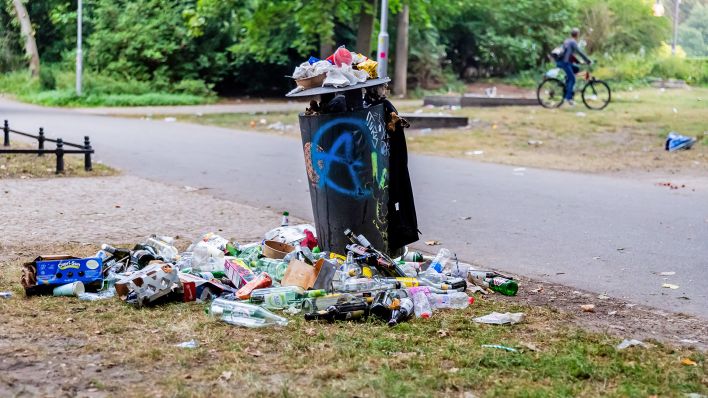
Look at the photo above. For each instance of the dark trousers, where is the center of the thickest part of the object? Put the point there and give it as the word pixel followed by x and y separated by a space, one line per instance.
pixel 570 71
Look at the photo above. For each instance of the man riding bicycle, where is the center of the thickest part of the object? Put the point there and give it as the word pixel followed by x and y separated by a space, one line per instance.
pixel 567 60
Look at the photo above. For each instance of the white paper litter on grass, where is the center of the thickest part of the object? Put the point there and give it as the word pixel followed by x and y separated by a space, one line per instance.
pixel 497 318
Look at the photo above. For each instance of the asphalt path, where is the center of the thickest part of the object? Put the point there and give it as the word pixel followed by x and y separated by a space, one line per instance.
pixel 605 234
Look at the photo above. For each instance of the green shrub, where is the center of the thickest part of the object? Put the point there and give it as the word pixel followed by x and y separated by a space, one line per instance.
pixel 46 79
pixel 193 87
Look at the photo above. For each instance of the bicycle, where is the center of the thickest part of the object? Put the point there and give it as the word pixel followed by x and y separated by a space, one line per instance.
pixel 595 93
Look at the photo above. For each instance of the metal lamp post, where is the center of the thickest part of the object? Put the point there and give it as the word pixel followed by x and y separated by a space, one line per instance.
pixel 79 53
pixel 659 12
pixel 382 50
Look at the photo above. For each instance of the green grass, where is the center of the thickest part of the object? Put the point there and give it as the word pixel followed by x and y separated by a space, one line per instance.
pixel 441 356
pixel 56 87
pixel 33 166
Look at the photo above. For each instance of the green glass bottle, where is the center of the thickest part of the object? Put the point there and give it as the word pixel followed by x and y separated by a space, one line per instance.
pixel 240 313
pixel 274 267
pixel 507 287
pixel 282 297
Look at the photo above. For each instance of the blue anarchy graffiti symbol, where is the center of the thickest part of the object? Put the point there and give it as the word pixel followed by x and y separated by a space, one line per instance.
pixel 344 154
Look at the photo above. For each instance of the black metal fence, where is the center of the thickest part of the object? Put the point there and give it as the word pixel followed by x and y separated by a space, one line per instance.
pixel 59 151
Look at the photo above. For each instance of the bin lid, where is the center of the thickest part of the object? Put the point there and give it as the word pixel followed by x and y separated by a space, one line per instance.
pixel 327 90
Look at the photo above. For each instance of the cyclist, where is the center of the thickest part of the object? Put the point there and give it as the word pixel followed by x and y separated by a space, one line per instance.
pixel 567 62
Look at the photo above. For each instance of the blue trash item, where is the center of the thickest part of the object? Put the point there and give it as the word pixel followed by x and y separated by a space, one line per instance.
pixel 313 60
pixel 675 142
pixel 61 270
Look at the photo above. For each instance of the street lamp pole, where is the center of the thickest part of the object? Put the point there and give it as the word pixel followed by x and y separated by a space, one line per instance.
pixel 676 21
pixel 382 50
pixel 79 53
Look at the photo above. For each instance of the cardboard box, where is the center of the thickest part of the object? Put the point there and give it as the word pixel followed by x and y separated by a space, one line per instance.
pixel 204 290
pixel 46 272
pixel 300 273
pixel 237 272
pixel 151 283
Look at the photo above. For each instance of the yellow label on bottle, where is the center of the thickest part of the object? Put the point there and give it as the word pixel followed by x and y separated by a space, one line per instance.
pixel 340 259
pixel 409 282
pixel 366 272
pixel 444 286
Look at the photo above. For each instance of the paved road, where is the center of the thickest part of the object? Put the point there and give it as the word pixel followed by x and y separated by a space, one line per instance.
pixel 604 234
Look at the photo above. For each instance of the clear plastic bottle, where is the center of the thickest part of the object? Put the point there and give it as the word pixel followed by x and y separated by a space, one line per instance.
pixel 457 300
pixel 441 260
pixel 408 268
pixel 207 258
pixel 421 305
pixel 163 247
pixel 243 314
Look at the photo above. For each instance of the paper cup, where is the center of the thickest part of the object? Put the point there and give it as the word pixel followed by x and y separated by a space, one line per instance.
pixel 71 289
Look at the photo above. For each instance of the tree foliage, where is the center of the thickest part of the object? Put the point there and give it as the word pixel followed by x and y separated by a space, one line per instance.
pixel 242 46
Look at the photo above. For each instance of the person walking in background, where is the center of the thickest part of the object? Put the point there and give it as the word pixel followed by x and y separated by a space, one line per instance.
pixel 567 62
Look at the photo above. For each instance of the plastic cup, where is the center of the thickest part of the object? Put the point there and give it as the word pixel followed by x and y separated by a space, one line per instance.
pixel 71 289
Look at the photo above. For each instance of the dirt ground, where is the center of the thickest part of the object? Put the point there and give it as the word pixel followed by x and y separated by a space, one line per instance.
pixel 77 214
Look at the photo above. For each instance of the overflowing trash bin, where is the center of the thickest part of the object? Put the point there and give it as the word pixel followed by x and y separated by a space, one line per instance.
pixel 352 265
pixel 356 161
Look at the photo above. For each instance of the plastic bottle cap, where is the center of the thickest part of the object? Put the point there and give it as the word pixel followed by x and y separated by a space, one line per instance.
pixel 425 315
pixel 471 300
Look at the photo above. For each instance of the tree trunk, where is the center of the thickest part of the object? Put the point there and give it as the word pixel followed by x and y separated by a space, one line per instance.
pixel 401 73
pixel 366 27
pixel 28 34
pixel 326 48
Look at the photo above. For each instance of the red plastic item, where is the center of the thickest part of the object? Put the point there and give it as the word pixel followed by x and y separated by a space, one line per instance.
pixel 310 241
pixel 261 281
pixel 341 56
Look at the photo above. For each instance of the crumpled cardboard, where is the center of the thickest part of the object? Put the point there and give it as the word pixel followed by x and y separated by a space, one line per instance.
pixel 151 283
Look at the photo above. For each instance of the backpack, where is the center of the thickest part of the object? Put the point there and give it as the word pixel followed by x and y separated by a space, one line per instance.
pixel 557 53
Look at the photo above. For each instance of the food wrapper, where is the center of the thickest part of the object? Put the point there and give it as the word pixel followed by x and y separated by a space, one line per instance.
pixel 358 58
pixel 370 67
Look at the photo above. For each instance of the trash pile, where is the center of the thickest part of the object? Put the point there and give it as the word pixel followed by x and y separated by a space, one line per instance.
pixel 341 69
pixel 245 284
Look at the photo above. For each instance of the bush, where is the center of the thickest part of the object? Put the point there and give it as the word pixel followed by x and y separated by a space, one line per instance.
pixel 46 79
pixel 193 87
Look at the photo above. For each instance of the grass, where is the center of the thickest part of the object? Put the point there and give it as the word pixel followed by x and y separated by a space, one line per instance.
pixel 33 166
pixel 56 87
pixel 437 357
pixel 627 136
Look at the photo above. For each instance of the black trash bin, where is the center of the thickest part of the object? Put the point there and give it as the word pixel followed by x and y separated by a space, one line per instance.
pixel 348 161
pixel 346 157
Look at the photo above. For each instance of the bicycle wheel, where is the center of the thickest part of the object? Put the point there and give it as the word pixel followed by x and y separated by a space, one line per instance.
pixel 596 95
pixel 550 93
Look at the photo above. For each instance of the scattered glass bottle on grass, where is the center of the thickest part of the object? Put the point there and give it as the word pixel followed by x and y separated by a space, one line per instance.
pixel 282 297
pixel 495 282
pixel 243 314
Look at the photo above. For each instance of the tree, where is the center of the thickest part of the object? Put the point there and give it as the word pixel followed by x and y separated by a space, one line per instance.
pixel 28 34
pixel 366 27
pixel 401 72
pixel 693 33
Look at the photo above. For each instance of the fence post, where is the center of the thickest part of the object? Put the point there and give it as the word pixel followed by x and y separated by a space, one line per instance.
pixel 40 140
pixel 60 156
pixel 6 129
pixel 87 155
